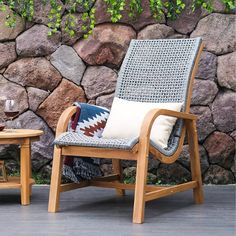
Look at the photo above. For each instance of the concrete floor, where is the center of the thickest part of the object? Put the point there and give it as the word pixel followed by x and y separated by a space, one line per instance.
pixel 99 212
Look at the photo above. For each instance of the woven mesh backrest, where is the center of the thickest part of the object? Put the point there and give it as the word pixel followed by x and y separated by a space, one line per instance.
pixel 157 70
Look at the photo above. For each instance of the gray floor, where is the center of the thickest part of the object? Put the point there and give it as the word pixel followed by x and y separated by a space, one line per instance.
pixel 95 211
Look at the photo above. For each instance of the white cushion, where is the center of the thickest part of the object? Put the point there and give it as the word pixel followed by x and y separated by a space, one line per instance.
pixel 126 119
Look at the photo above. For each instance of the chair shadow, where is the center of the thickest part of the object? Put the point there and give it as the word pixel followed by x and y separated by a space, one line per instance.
pixel 117 206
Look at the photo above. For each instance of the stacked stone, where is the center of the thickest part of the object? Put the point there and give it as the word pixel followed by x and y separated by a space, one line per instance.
pixel 47 74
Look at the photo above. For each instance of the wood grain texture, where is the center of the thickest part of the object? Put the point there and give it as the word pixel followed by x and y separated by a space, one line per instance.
pixel 117 170
pixel 24 172
pixel 54 195
pixel 19 133
pixel 23 137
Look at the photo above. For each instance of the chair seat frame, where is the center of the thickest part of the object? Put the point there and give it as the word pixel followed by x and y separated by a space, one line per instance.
pixel 139 153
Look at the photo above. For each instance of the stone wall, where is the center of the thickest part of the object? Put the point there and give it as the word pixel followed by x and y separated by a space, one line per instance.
pixel 47 74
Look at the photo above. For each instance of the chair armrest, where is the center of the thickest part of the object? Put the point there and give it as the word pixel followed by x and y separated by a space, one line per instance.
pixel 64 120
pixel 151 117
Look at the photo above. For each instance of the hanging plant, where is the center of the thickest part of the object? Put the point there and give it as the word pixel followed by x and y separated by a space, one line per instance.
pixel 135 7
pixel 174 8
pixel 88 16
pixel 159 8
pixel 205 4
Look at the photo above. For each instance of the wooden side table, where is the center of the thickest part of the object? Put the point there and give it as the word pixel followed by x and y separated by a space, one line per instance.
pixel 23 137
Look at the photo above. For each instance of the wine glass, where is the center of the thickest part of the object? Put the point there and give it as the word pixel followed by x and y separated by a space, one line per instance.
pixel 11 109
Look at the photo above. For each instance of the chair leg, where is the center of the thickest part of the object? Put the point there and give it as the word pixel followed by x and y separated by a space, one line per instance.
pixel 195 162
pixel 116 167
pixel 54 195
pixel 141 178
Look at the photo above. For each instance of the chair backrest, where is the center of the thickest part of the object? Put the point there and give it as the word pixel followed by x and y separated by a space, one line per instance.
pixel 158 70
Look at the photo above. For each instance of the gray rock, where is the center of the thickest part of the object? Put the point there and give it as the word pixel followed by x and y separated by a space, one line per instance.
pixel 226 73
pixel 218 175
pixel 187 20
pixel 36 97
pixel 8 33
pixel 29 24
pixel 129 175
pixel 217 31
pixel 42 11
pixel 155 31
pixel 153 164
pixel 105 100
pixel 128 163
pixel 41 151
pixel 46 172
pixel 151 178
pixel 36 42
pixel 223 110
pixel 106 169
pixel 8 54
pixel 218 7
pixel 2 70
pixel 178 36
pixel 172 174
pixel 205 124
pixel 207 66
pixel 233 169
pixel 184 158
pixel 204 92
pixel 33 72
pixel 221 149
pixel 68 63
pixel 10 90
pixel 105 161
pixel 9 152
pixel 129 172
pixel 98 80
pixel 233 135
pixel 12 166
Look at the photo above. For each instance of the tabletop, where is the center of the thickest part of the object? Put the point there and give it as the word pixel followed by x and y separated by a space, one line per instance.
pixel 19 133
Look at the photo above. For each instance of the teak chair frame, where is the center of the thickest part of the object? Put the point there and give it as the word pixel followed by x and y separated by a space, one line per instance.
pixel 140 153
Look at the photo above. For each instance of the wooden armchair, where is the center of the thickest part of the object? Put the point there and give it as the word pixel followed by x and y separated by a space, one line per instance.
pixel 166 68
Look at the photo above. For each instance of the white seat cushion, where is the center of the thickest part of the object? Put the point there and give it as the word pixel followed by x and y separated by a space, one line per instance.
pixel 126 119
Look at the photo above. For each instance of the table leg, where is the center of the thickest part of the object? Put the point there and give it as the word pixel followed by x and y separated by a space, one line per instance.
pixel 30 169
pixel 24 171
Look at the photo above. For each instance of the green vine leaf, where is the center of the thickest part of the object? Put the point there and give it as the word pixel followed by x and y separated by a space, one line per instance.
pixel 114 8
pixel 174 8
pixel 159 8
pixel 205 4
pixel 135 7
